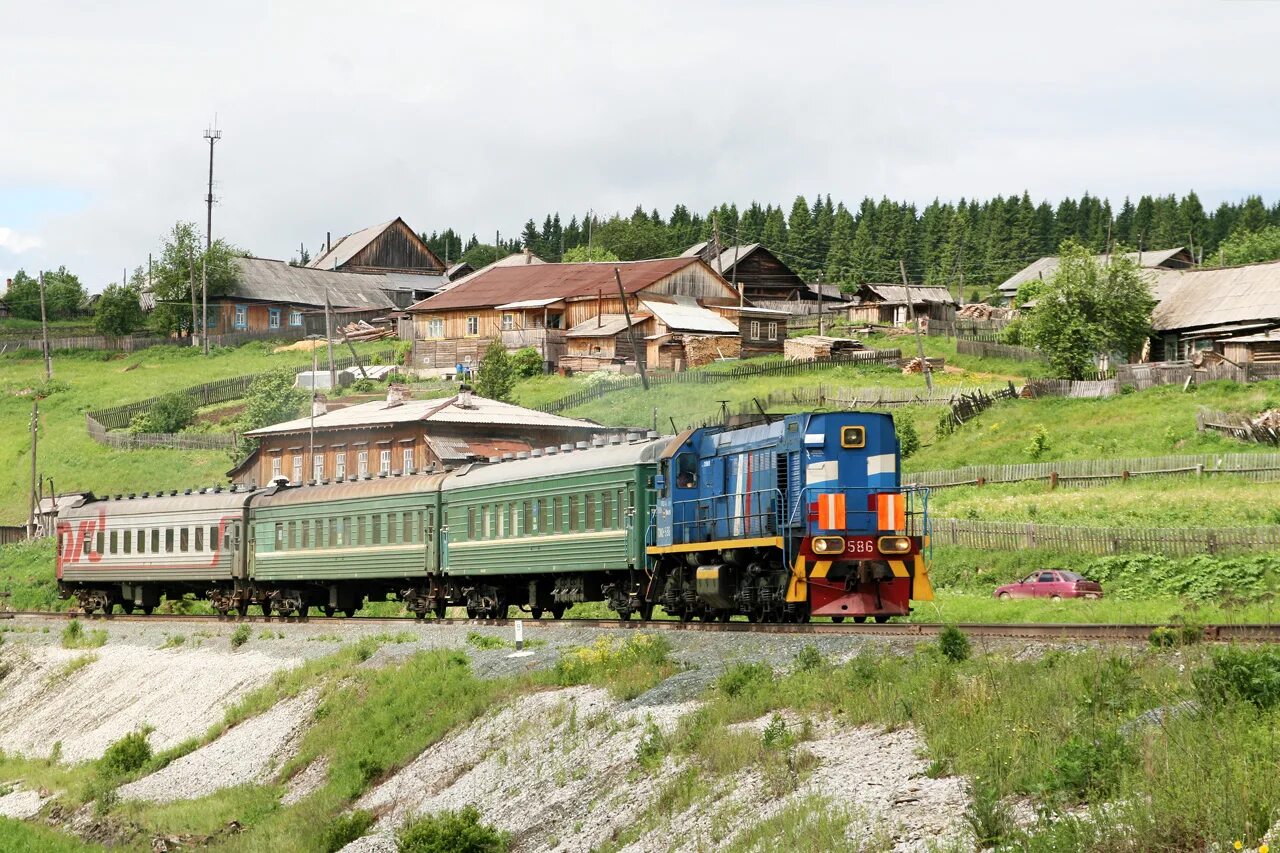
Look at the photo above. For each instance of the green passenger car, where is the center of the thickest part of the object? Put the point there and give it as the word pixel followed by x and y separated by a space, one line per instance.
pixel 549 531
pixel 329 546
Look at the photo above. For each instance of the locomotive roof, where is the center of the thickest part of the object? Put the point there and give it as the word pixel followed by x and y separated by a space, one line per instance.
pixel 575 462
pixel 371 488
pixel 197 501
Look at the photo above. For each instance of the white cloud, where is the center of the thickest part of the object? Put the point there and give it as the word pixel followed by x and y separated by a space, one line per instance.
pixel 480 116
pixel 16 243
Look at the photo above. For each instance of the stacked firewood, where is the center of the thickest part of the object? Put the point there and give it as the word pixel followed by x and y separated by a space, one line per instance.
pixel 810 347
pixel 982 311
pixel 362 331
pixel 916 365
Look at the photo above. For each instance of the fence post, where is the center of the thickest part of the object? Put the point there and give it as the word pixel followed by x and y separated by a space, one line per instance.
pixel 1200 469
pixel 1053 480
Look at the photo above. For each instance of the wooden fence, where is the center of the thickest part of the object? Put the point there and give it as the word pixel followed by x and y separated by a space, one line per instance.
pixel 132 343
pixel 100 422
pixel 1264 467
pixel 1101 541
pixel 10 535
pixel 1143 376
pixel 969 328
pixel 873 397
pixel 713 375
pixel 986 349
pixel 1236 425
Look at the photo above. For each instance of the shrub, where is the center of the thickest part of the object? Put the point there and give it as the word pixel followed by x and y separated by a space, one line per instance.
pixel 171 413
pixel 988 818
pixel 652 746
pixel 775 734
pixel 526 362
pixel 808 658
pixel 1169 636
pixel 126 755
pixel 344 829
pixel 1090 765
pixel 1039 442
pixel 744 678
pixel 485 641
pixel 953 644
pixel 496 377
pixel 240 636
pixel 271 398
pixel 908 438
pixel 1238 673
pixel 75 637
pixel 451 832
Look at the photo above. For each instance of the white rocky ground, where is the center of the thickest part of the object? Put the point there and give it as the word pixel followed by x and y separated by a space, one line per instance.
pixel 21 804
pixel 46 699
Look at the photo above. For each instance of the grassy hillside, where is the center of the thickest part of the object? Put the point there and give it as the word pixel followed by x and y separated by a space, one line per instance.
pixel 89 380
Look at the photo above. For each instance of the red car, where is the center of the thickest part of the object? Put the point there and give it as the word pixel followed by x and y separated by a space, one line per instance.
pixel 1053 584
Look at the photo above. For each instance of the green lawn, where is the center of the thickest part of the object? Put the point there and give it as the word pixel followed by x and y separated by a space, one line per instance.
pixel 90 380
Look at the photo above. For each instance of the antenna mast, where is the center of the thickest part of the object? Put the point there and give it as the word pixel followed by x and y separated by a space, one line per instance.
pixel 213 135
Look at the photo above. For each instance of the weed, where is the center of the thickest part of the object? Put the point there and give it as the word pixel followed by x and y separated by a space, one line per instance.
pixel 1039 442
pixel 1169 636
pixel 1251 675
pixel 74 665
pixel 775 735
pixel 451 832
pixel 953 644
pixel 652 747
pixel 126 755
pixel 240 636
pixel 987 817
pixel 1089 765
pixel 627 668
pixel 808 658
pixel 744 678
pixel 173 641
pixel 74 636
pixel 486 641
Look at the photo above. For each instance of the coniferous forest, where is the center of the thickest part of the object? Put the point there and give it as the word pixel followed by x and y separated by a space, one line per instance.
pixel 971 243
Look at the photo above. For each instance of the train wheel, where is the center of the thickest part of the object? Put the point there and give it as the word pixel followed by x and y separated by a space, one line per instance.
pixel 624 615
pixel 329 611
pixel 687 615
pixel 725 615
pixel 837 619
pixel 266 609
pixel 441 609
pixel 350 612
pixel 420 615
pixel 243 610
pixel 646 611
pixel 147 608
pixel 127 607
pixel 859 619
pixel 472 612
pixel 882 618
pixel 557 611
pixel 535 612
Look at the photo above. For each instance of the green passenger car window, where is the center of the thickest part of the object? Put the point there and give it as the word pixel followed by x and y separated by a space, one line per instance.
pixel 431 524
pixel 375 535
pixel 291 540
pixel 606 510
pixel 590 501
pixel 556 525
pixel 527 511
pixel 391 528
pixel 573 513
pixel 471 523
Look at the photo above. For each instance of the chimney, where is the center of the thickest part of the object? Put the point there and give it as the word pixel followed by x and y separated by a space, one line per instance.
pixel 528 255
pixel 328 242
pixel 464 397
pixel 395 395
pixel 319 406
pixel 8 285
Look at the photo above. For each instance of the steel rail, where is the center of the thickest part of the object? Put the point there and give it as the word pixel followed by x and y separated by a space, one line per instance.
pixel 1260 632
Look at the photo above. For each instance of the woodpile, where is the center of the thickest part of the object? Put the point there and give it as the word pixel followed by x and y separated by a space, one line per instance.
pixel 1269 419
pixel 705 350
pixel 811 347
pixel 916 365
pixel 362 331
pixel 982 311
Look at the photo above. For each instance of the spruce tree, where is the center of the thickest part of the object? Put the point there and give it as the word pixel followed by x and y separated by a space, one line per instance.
pixel 774 233
pixel 840 267
pixel 802 245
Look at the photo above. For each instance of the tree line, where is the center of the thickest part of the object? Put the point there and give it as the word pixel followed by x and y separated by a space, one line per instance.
pixel 970 242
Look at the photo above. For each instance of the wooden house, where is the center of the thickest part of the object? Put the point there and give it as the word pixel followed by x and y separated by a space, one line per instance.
pixel 392 249
pixel 396 436
pixel 1177 258
pixel 1206 309
pixel 545 306
pixel 760 273
pixel 886 304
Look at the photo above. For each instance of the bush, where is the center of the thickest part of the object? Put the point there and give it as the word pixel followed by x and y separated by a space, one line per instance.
pixel 451 832
pixel 271 398
pixel 652 747
pixel 744 678
pixel 496 377
pixel 126 755
pixel 1239 673
pixel 1169 636
pixel 75 637
pixel 953 644
pixel 1039 442
pixel 808 658
pixel 240 636
pixel 527 362
pixel 1090 765
pixel 988 818
pixel 171 413
pixel 908 438
pixel 344 829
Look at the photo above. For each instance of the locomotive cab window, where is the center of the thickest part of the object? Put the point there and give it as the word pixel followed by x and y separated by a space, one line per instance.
pixel 686 471
pixel 853 436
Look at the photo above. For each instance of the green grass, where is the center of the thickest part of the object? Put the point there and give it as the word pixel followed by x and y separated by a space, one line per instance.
pixel 97 380
pixel 973 607
pixel 27 574
pixel 20 837
pixel 1183 501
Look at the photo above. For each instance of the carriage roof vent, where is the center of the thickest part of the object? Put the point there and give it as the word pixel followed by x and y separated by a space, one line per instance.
pixel 552 450
pixel 508 456
pixel 616 438
pixel 174 493
pixel 566 448
pixel 581 445
pixel 131 496
pixel 523 454
pixel 651 434
pixel 494 460
pixel 597 441
pixel 633 437
pixel 536 453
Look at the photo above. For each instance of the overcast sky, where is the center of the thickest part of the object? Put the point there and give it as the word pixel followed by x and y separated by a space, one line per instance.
pixel 481 115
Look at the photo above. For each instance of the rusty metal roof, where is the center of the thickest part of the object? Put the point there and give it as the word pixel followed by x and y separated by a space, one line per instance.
pixel 456 448
pixel 497 285
pixel 606 326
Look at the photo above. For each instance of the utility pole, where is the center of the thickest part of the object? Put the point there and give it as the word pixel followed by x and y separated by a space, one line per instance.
pixel 328 334
pixel 631 332
pixel 191 275
pixel 911 311
pixel 204 302
pixel 213 135
pixel 35 433
pixel 311 438
pixel 44 335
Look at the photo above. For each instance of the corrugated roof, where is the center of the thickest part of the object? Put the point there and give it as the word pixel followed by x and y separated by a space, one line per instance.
pixel 529 303
pixel 607 326
pixel 408 281
pixel 348 247
pixel 686 315
pixel 1214 297
pixel 1046 267
pixel 498 284
pixel 593 459
pixel 378 413
pixel 897 294
pixel 276 281
pixel 456 448
pixel 695 250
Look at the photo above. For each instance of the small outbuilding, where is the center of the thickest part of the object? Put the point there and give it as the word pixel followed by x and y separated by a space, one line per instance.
pixel 887 304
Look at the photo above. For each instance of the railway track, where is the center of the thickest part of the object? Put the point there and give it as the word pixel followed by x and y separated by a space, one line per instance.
pixel 1267 633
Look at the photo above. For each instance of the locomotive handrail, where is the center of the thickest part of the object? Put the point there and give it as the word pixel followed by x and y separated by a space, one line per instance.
pixel 912 515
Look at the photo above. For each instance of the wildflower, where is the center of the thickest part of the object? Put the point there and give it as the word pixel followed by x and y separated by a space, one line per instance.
pixel 1264 849
pixel 1238 844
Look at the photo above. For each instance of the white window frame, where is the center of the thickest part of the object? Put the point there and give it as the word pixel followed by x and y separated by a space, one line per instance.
pixel 473 325
pixel 317 467
pixel 242 317
pixel 340 465
pixel 273 318
pixel 276 463
pixel 362 462
pixel 508 321
pixel 406 454
pixel 384 461
pixel 297 467
pixel 755 330
pixel 435 328
pixel 773 331
pixel 295 318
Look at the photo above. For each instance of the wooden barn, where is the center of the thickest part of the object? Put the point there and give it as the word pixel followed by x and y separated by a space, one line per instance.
pixel 886 304
pixel 546 306
pixel 760 273
pixel 393 250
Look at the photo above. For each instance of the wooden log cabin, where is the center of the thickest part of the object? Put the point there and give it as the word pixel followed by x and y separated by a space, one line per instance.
pixel 393 250
pixel 573 314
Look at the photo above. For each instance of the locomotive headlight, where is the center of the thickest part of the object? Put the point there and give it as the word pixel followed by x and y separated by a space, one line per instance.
pixel 894 544
pixel 827 544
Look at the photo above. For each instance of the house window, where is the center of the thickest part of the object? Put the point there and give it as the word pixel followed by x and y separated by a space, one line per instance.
pixel 384 462
pixel 340 465
pixel 273 318
pixel 508 323
pixel 275 467
pixel 755 330
pixel 317 468
pixel 295 318
pixel 435 328
pixel 297 467
pixel 773 331
pixel 407 454
pixel 473 325
pixel 242 317
pixel 362 463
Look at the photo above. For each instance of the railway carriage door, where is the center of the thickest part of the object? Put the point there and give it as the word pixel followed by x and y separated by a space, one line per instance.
pixel 429 537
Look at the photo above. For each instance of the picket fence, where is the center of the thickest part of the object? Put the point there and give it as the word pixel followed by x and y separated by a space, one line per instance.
pixel 1102 541
pixel 10 535
pixel 133 343
pixel 1263 467
pixel 714 375
pixel 990 349
pixel 1236 425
